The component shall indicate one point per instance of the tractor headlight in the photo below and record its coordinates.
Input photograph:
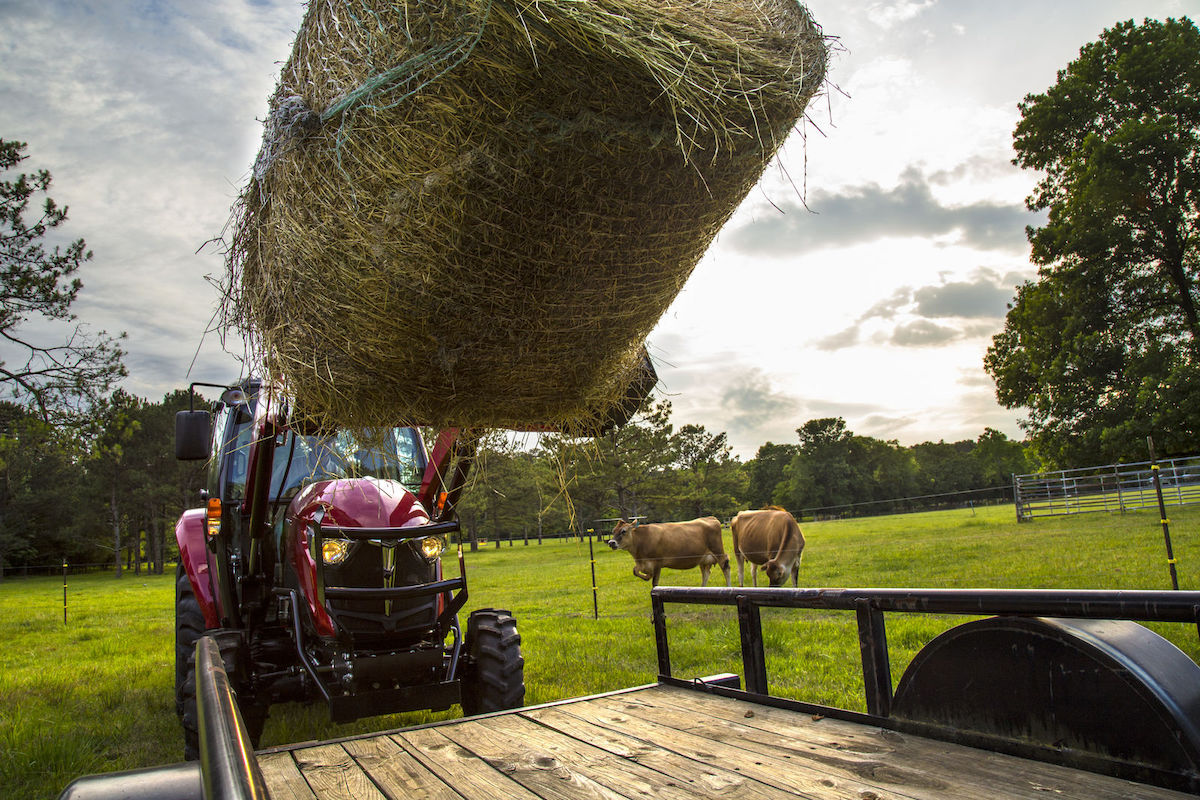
(334, 551)
(432, 547)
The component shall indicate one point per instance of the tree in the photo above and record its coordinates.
(999, 458)
(114, 426)
(708, 480)
(622, 473)
(37, 282)
(821, 473)
(765, 472)
(158, 486)
(946, 467)
(511, 492)
(1110, 329)
(40, 502)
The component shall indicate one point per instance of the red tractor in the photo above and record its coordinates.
(316, 565)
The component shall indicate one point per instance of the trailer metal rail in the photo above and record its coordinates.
(869, 607)
(227, 769)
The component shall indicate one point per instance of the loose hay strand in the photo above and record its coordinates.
(473, 213)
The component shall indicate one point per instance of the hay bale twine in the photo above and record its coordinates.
(473, 212)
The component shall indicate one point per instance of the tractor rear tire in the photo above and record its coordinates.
(494, 675)
(189, 627)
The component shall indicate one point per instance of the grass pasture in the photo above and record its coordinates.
(97, 694)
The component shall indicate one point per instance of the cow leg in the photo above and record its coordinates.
(725, 569)
(704, 570)
(638, 573)
(796, 574)
(654, 578)
(741, 559)
(754, 574)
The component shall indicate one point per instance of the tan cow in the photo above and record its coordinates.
(769, 537)
(676, 545)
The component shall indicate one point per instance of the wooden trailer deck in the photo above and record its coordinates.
(667, 742)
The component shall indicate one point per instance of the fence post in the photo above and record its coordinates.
(1120, 496)
(754, 660)
(595, 595)
(1016, 481)
(1162, 513)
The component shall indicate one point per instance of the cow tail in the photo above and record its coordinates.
(783, 540)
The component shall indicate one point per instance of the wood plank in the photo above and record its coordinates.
(471, 776)
(592, 722)
(1037, 778)
(283, 778)
(851, 746)
(334, 775)
(562, 765)
(396, 772)
(554, 773)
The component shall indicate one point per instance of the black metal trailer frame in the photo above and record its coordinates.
(1143, 666)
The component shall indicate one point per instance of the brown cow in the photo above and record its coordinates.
(677, 545)
(769, 537)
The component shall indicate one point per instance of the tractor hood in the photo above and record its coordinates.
(356, 503)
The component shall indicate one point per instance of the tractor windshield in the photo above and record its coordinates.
(394, 454)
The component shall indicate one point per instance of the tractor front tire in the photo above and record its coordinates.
(494, 676)
(189, 627)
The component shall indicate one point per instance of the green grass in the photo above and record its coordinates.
(97, 694)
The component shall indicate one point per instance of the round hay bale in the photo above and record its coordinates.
(473, 212)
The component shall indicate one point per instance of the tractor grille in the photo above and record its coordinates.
(376, 622)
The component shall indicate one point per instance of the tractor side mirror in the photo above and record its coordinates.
(193, 435)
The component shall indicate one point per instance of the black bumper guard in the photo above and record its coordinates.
(454, 589)
(344, 708)
(416, 532)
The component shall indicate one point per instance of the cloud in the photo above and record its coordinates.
(750, 402)
(887, 15)
(870, 212)
(848, 337)
(884, 426)
(923, 333)
(982, 297)
(888, 307)
(970, 308)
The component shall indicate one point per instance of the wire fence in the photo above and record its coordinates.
(1111, 487)
(73, 568)
(967, 498)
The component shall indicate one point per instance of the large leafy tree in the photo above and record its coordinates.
(998, 458)
(40, 281)
(41, 494)
(765, 473)
(1108, 335)
(827, 469)
(708, 479)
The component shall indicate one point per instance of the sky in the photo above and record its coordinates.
(863, 278)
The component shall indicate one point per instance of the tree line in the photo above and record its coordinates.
(652, 469)
(106, 490)
(110, 491)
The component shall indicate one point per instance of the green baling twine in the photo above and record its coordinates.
(292, 120)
